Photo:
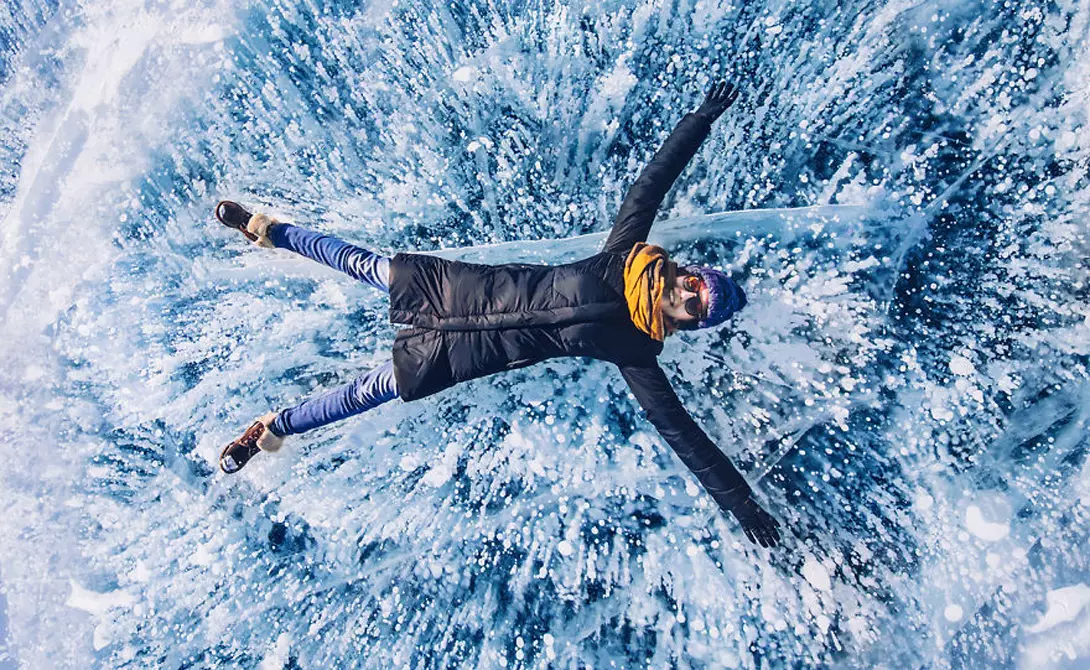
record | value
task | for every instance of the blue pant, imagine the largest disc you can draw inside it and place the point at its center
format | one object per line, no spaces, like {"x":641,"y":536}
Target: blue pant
{"x":373,"y":387}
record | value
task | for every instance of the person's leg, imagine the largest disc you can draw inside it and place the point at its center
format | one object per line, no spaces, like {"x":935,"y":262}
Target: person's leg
{"x":366,"y":266}
{"x":367,"y":391}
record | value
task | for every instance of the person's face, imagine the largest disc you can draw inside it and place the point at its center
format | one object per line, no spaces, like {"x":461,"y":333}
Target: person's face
{"x":684,"y":302}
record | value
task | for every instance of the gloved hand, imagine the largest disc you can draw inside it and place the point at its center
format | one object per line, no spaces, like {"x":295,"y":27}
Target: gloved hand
{"x":760,"y":526}
{"x":720,"y":96}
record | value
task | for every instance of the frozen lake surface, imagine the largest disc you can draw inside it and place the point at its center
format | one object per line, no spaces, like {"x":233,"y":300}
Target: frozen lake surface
{"x":903,"y":189}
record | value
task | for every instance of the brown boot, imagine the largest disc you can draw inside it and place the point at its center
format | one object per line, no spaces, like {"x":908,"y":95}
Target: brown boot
{"x":234,"y":215}
{"x":254,"y":226}
{"x":257,"y":438}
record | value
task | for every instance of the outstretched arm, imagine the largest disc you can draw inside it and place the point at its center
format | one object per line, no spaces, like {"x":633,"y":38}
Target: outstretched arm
{"x":712,"y":468}
{"x":640,"y":206}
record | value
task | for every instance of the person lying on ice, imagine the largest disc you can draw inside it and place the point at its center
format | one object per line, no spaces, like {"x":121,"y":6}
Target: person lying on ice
{"x":467,"y":320}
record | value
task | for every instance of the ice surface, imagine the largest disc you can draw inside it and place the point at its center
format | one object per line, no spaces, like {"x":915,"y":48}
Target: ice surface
{"x":1064,"y":604}
{"x":982,"y":528}
{"x":902,"y":188}
{"x":1061,"y":638}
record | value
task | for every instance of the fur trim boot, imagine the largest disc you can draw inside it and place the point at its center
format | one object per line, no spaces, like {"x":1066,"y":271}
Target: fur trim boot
{"x":257,"y":438}
{"x":259,"y":225}
{"x":269,"y":441}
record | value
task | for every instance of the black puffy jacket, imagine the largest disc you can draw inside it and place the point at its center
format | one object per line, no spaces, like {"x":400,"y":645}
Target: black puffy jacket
{"x":469,"y":320}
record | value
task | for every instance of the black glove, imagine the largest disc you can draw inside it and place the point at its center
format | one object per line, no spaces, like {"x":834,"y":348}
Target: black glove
{"x":760,"y":526}
{"x":720,"y":96}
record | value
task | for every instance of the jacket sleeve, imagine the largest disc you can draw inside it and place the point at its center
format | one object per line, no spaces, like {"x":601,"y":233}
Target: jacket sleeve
{"x":640,"y":206}
{"x":665,"y":411}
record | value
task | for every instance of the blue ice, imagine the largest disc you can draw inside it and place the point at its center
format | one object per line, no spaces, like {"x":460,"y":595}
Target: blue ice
{"x":903,"y":189}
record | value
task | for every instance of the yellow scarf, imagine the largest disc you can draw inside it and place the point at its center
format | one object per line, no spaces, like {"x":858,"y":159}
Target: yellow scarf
{"x":646,"y":273}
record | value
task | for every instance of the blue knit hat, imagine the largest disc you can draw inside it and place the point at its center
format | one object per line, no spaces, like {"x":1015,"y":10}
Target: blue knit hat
{"x":725,"y":296}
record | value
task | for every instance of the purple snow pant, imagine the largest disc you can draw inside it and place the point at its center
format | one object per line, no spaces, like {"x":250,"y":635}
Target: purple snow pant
{"x":370,"y":389}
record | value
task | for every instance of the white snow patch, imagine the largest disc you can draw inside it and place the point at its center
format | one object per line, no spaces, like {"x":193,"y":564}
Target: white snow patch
{"x":478,"y":143}
{"x":1063,"y":605}
{"x":858,"y":626}
{"x":100,"y":638}
{"x":816,"y":574}
{"x":549,"y":640}
{"x":438,"y":475}
{"x":618,"y":83}
{"x":202,"y":556}
{"x":140,"y":572}
{"x":1062,"y":636}
{"x":565,"y":548}
{"x":953,"y":613}
{"x":938,"y":404}
{"x":410,"y":462}
{"x":941,"y":413}
{"x":962,"y":366}
{"x":464,"y":74}
{"x":278,"y":657}
{"x":94,"y":602}
{"x":436,"y":568}
{"x":923,"y":501}
{"x":988,"y":531}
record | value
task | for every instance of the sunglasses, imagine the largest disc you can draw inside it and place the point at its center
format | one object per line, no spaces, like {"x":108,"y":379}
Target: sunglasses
{"x":694,"y":306}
